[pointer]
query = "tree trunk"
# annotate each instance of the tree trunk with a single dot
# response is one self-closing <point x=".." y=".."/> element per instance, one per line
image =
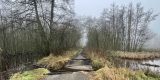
<point x="41" y="30"/>
<point x="51" y="25"/>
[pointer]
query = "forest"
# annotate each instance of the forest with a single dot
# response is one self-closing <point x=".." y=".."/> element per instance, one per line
<point x="48" y="33"/>
<point x="29" y="28"/>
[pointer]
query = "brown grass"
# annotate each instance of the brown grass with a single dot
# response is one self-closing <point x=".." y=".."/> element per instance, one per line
<point x="56" y="62"/>
<point x="120" y="74"/>
<point x="108" y="74"/>
<point x="137" y="55"/>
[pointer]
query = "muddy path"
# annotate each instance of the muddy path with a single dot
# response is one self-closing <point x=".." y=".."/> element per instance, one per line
<point x="76" y="69"/>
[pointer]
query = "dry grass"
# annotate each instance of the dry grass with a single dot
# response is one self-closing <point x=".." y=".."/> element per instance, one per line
<point x="56" y="62"/>
<point x="137" y="55"/>
<point x="120" y="74"/>
<point x="109" y="74"/>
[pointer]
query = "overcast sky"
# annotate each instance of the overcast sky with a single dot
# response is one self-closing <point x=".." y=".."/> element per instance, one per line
<point x="95" y="7"/>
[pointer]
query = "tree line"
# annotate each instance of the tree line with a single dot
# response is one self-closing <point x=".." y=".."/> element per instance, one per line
<point x="31" y="29"/>
<point x="124" y="28"/>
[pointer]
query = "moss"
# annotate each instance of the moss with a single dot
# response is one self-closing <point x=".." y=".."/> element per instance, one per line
<point x="35" y="74"/>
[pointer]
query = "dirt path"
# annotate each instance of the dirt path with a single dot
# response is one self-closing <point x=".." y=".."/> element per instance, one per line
<point x="79" y="63"/>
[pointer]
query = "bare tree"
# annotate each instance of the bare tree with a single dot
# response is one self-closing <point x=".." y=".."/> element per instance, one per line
<point x="121" y="28"/>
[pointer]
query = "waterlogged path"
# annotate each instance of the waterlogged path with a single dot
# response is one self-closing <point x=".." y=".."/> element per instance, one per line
<point x="76" y="69"/>
<point x="79" y="63"/>
<point x="69" y="76"/>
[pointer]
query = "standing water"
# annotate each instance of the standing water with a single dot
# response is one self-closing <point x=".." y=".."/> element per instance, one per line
<point x="151" y="65"/>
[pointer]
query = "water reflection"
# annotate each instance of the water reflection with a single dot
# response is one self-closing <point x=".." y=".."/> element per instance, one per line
<point x="152" y="65"/>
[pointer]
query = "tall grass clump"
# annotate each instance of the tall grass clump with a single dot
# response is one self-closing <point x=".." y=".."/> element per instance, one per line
<point x="55" y="62"/>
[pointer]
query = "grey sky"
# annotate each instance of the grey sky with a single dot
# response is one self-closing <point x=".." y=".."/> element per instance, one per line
<point x="95" y="7"/>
